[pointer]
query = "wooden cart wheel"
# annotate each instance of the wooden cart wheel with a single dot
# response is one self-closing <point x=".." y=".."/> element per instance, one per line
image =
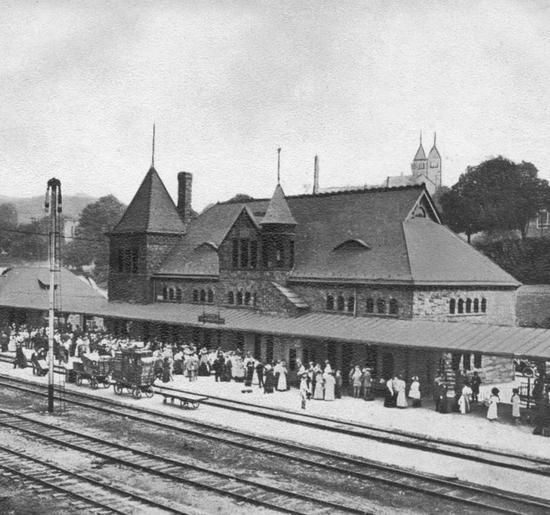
<point x="149" y="392"/>
<point x="117" y="388"/>
<point x="194" y="405"/>
<point x="137" y="392"/>
<point x="93" y="383"/>
<point x="79" y="380"/>
<point x="106" y="383"/>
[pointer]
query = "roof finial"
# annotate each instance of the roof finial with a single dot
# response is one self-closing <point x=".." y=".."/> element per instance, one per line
<point x="421" y="137"/>
<point x="278" y="166"/>
<point x="153" y="151"/>
<point x="435" y="137"/>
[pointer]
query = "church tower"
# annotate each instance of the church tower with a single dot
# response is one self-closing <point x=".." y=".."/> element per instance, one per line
<point x="434" y="166"/>
<point x="419" y="166"/>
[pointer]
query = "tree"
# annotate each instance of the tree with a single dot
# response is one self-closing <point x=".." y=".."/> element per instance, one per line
<point x="90" y="244"/>
<point x="496" y="195"/>
<point x="241" y="197"/>
<point x="8" y="223"/>
<point x="31" y="241"/>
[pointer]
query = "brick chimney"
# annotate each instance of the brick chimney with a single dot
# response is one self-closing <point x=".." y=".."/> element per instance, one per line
<point x="185" y="183"/>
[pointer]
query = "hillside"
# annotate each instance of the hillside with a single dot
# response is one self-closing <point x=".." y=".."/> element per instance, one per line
<point x="33" y="207"/>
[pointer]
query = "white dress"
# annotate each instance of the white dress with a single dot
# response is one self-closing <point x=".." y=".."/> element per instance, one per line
<point x="330" y="382"/>
<point x="492" y="413"/>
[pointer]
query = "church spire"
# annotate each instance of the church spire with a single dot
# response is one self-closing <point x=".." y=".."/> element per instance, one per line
<point x="153" y="149"/>
<point x="279" y="165"/>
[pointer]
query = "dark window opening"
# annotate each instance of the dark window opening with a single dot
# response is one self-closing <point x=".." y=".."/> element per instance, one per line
<point x="254" y="299"/>
<point x="483" y="305"/>
<point x="292" y="360"/>
<point x="340" y="303"/>
<point x="165" y="293"/>
<point x="476" y="305"/>
<point x="394" y="308"/>
<point x="452" y="306"/>
<point x="230" y="297"/>
<point x="210" y="296"/>
<point x="244" y="253"/>
<point x="171" y="294"/>
<point x="279" y="254"/>
<point x="269" y="349"/>
<point x="381" y="306"/>
<point x="195" y="295"/>
<point x="351" y="304"/>
<point x="468" y="305"/>
<point x="467" y="361"/>
<point x="456" y="358"/>
<point x="239" y="298"/>
<point x="370" y="305"/>
<point x="330" y="302"/>
<point x="460" y="306"/>
<point x="477" y="360"/>
<point x="253" y="254"/>
<point x="291" y="254"/>
<point x="247" y="298"/>
<point x="258" y="347"/>
<point x="120" y="260"/>
<point x="203" y="296"/>
<point x="235" y="254"/>
<point x="179" y="294"/>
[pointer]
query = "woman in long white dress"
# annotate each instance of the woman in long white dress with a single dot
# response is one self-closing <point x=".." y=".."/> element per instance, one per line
<point x="318" y="392"/>
<point x="399" y="388"/>
<point x="492" y="410"/>
<point x="330" y="383"/>
<point x="465" y="399"/>
<point x="280" y="369"/>
<point x="414" y="392"/>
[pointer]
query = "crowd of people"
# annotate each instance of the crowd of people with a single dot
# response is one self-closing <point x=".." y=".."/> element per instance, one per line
<point x="317" y="381"/>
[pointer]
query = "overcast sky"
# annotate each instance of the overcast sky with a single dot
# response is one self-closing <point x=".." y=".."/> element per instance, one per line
<point x="228" y="82"/>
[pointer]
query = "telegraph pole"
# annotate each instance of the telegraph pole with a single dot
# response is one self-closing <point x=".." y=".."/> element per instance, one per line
<point x="53" y="206"/>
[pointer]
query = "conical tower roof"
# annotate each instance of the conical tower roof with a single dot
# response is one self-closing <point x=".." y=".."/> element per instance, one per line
<point x="420" y="154"/>
<point x="278" y="211"/>
<point x="434" y="153"/>
<point x="152" y="210"/>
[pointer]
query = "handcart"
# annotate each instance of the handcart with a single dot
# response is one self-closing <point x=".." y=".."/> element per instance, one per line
<point x="134" y="371"/>
<point x="95" y="370"/>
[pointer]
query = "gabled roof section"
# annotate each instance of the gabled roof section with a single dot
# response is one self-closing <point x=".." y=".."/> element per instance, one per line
<point x="278" y="211"/>
<point x="434" y="153"/>
<point x="152" y="210"/>
<point x="420" y="154"/>
<point x="438" y="256"/>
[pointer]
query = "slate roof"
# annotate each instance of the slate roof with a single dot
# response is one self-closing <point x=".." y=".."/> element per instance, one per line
<point x="152" y="210"/>
<point x="28" y="286"/>
<point x="278" y="211"/>
<point x="414" y="251"/>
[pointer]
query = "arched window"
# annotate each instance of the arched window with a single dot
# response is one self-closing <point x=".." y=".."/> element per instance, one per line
<point x="460" y="306"/>
<point x="340" y="303"/>
<point x="381" y="306"/>
<point x="203" y="296"/>
<point x="254" y="299"/>
<point x="370" y="305"/>
<point x="484" y="305"/>
<point x="195" y="295"/>
<point x="330" y="302"/>
<point x="351" y="304"/>
<point x="476" y="305"/>
<point x="230" y="297"/>
<point x="179" y="294"/>
<point x="468" y="305"/>
<point x="452" y="306"/>
<point x="210" y="296"/>
<point x="247" y="298"/>
<point x="394" y="309"/>
<point x="165" y="293"/>
<point x="171" y="294"/>
<point x="239" y="298"/>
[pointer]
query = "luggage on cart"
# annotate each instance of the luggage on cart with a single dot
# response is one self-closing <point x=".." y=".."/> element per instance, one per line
<point x="96" y="369"/>
<point x="134" y="370"/>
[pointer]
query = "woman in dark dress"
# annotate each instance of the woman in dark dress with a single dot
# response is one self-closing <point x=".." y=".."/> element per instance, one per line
<point x="249" y="372"/>
<point x="269" y="381"/>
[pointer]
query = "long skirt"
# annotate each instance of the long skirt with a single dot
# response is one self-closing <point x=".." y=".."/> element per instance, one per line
<point x="401" y="400"/>
<point x="281" y="382"/>
<point x="388" y="400"/>
<point x="318" y="393"/>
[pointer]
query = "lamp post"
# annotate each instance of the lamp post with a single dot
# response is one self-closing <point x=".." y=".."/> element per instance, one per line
<point x="53" y="206"/>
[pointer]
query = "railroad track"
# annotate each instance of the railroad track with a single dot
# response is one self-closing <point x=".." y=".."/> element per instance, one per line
<point x="450" y="490"/>
<point x="252" y="493"/>
<point x="477" y="453"/>
<point x="91" y="495"/>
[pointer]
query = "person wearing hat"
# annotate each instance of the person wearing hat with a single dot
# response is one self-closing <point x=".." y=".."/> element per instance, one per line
<point x="414" y="392"/>
<point x="305" y="389"/>
<point x="492" y="410"/>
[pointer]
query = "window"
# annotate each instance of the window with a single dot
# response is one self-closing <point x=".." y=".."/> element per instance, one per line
<point x="165" y="293"/>
<point x="127" y="260"/>
<point x="134" y="261"/>
<point x="244" y="253"/>
<point x="230" y="297"/>
<point x="235" y="253"/>
<point x="279" y="254"/>
<point x="452" y="306"/>
<point x="543" y="219"/>
<point x="239" y="298"/>
<point x="340" y="303"/>
<point x="179" y="294"/>
<point x="484" y="305"/>
<point x="269" y="349"/>
<point x="330" y="302"/>
<point x="468" y="305"/>
<point x="467" y="361"/>
<point x="171" y="294"/>
<point x="477" y="360"/>
<point x="476" y="305"/>
<point x="351" y="304"/>
<point x="291" y="254"/>
<point x="381" y="306"/>
<point x="434" y="164"/>
<point x="195" y="295"/>
<point x="203" y="296"/>
<point x="258" y="347"/>
<point x="393" y="307"/>
<point x="247" y="298"/>
<point x="253" y="254"/>
<point x="460" y="306"/>
<point x="292" y="360"/>
<point x="254" y="299"/>
<point x="120" y="260"/>
<point x="456" y="358"/>
<point x="370" y="305"/>
<point x="210" y="296"/>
